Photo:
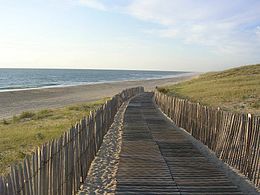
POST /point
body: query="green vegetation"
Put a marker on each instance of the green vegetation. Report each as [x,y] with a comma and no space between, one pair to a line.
[22,134]
[236,89]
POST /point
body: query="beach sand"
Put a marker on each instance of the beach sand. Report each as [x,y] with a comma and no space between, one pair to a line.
[101,178]
[15,102]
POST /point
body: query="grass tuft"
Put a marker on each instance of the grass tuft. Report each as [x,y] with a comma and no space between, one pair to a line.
[39,136]
[26,115]
[43,114]
[163,90]
[5,122]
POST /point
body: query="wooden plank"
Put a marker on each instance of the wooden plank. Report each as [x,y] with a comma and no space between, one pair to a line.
[59,165]
[9,185]
[27,177]
[2,186]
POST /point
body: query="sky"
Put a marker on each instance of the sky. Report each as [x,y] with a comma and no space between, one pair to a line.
[189,35]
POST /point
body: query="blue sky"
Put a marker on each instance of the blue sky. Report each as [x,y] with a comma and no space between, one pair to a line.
[129,34]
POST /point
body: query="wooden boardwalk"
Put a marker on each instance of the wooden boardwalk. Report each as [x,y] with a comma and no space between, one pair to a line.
[158,159]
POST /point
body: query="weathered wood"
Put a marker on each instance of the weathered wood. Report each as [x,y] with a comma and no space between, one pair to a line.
[9,185]
[235,138]
[2,186]
[15,179]
[26,177]
[156,158]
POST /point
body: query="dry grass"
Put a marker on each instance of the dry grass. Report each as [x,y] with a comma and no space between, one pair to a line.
[236,89]
[21,134]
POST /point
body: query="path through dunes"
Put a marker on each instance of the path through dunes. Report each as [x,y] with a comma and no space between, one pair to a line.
[157,159]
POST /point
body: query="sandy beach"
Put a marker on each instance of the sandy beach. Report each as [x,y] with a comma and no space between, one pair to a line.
[15,102]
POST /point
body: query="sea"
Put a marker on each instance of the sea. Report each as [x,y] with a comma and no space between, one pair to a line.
[22,79]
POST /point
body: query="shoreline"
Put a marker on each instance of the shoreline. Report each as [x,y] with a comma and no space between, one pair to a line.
[2,90]
[15,102]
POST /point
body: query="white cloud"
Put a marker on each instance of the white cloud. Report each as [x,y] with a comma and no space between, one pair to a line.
[168,33]
[219,25]
[257,32]
[93,4]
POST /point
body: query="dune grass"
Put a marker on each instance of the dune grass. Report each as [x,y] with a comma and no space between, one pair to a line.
[22,134]
[236,89]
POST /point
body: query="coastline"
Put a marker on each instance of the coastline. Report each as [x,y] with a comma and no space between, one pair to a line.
[48,86]
[15,102]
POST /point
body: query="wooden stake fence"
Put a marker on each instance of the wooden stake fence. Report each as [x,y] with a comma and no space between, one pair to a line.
[61,165]
[235,138]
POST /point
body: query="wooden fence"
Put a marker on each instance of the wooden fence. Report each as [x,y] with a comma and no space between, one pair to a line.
[235,138]
[60,166]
